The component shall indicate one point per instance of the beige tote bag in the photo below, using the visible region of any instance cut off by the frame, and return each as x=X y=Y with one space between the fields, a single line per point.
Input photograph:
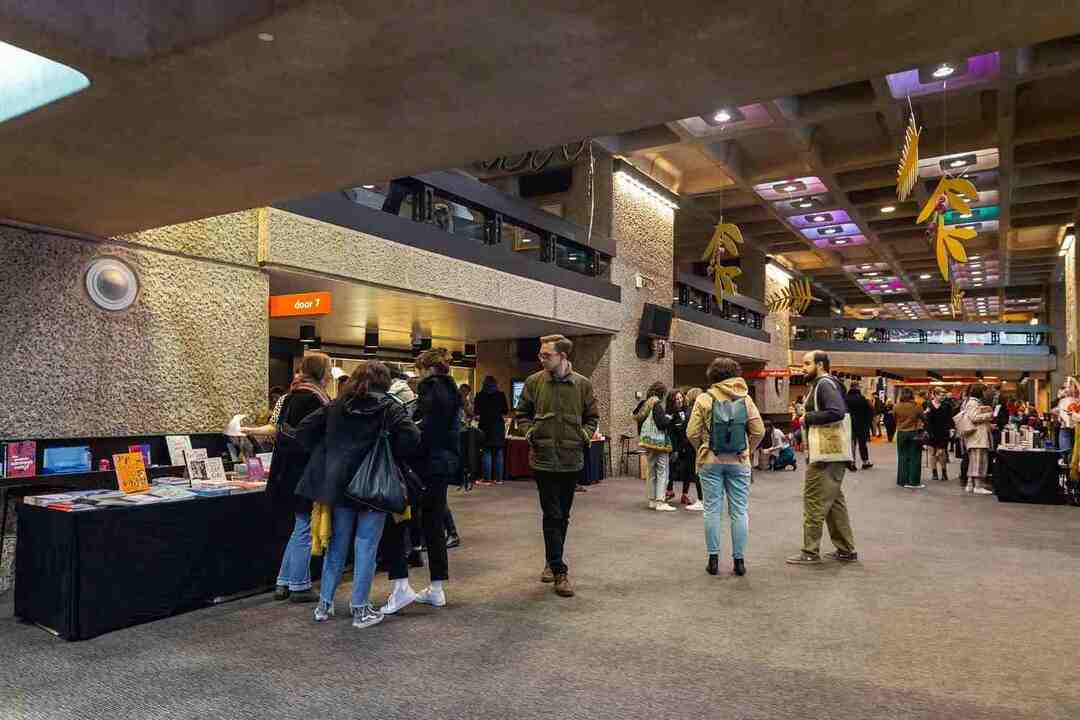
x=832 y=442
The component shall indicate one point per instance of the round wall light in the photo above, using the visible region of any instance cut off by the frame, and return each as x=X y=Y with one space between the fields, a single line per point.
x=112 y=285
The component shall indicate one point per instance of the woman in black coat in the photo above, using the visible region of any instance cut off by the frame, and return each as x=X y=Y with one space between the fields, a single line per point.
x=438 y=413
x=492 y=408
x=339 y=437
x=307 y=395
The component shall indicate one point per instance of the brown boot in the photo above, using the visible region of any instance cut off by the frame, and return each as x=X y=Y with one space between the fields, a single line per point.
x=547 y=576
x=562 y=586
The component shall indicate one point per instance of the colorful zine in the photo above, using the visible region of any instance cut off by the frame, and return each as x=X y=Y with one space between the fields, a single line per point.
x=131 y=472
x=255 y=469
x=143 y=448
x=178 y=445
x=21 y=459
x=266 y=459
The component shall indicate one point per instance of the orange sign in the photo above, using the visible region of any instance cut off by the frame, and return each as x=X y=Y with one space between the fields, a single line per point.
x=315 y=303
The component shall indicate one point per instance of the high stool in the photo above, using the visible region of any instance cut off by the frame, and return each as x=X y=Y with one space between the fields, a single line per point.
x=625 y=452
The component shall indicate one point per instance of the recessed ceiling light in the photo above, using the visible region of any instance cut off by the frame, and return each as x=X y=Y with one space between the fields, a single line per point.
x=867 y=266
x=978 y=284
x=790 y=187
x=266 y=37
x=819 y=218
x=840 y=242
x=943 y=71
x=368 y=187
x=835 y=230
x=974 y=257
x=871 y=274
x=888 y=209
x=958 y=162
x=925 y=276
x=722 y=116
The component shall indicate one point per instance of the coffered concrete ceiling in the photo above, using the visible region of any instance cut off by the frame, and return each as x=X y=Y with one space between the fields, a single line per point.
x=1013 y=112
x=190 y=113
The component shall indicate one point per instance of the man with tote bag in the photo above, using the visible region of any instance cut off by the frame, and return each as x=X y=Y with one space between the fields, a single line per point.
x=828 y=440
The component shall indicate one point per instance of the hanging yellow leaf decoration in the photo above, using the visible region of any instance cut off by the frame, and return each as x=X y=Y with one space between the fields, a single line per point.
x=957 y=193
x=795 y=298
x=724 y=280
x=908 y=170
x=950 y=243
x=957 y=301
x=726 y=238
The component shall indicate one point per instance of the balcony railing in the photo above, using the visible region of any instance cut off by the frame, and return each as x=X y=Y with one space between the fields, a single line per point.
x=694 y=301
x=919 y=336
x=454 y=215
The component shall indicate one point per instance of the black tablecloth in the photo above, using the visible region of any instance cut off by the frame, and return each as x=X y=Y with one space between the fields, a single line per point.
x=517 y=461
x=1028 y=477
x=82 y=574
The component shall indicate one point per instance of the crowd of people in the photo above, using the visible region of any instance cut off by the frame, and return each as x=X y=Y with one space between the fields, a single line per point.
x=710 y=439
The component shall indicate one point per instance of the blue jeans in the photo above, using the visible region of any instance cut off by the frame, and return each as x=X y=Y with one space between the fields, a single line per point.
x=295 y=572
x=1065 y=439
x=733 y=480
x=364 y=528
x=493 y=455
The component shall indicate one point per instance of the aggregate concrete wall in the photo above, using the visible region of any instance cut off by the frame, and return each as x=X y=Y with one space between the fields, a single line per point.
x=644 y=231
x=189 y=353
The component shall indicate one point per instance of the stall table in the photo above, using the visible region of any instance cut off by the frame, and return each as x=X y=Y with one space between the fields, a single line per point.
x=82 y=574
x=517 y=461
x=1028 y=476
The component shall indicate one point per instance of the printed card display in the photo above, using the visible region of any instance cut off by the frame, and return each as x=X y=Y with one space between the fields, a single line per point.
x=265 y=459
x=178 y=445
x=131 y=472
x=21 y=459
x=196 y=464
x=215 y=470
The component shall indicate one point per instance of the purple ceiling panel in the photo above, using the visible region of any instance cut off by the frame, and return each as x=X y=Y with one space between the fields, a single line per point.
x=980 y=69
x=792 y=188
x=840 y=242
x=825 y=217
x=831 y=231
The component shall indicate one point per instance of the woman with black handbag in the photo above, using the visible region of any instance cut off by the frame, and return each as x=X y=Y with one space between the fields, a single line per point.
x=341 y=437
x=438 y=413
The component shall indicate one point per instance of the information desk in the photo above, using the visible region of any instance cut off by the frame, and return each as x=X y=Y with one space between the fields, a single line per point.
x=1028 y=476
x=517 y=461
x=81 y=574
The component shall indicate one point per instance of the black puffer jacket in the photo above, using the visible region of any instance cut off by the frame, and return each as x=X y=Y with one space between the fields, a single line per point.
x=290 y=457
x=339 y=437
x=438 y=413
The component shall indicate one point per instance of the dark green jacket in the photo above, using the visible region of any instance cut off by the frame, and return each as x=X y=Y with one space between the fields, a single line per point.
x=559 y=418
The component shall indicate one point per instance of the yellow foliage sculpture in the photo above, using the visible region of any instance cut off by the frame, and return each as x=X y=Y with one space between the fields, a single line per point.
x=908 y=170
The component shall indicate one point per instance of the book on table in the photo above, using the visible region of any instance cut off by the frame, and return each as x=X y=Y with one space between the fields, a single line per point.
x=20 y=459
x=131 y=472
x=178 y=445
x=196 y=464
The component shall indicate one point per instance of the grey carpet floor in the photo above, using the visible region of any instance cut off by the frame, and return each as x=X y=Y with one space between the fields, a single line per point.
x=962 y=607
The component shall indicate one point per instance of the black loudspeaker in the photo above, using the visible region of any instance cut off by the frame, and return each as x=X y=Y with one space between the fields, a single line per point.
x=528 y=349
x=546 y=183
x=307 y=334
x=643 y=348
x=371 y=340
x=470 y=351
x=655 y=322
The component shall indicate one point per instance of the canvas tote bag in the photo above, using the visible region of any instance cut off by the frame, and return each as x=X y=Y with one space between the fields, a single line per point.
x=832 y=442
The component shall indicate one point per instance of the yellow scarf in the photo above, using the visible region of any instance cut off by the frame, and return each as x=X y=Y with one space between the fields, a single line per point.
x=320 y=528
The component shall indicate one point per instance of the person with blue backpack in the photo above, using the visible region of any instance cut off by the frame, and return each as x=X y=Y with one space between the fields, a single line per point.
x=725 y=427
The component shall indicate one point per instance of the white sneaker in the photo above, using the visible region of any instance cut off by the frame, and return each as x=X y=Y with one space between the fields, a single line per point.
x=664 y=507
x=365 y=616
x=696 y=506
x=968 y=488
x=323 y=612
x=652 y=504
x=427 y=596
x=982 y=491
x=398 y=601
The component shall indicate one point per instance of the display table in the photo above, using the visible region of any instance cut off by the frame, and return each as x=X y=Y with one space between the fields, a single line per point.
x=1028 y=476
x=517 y=461
x=81 y=574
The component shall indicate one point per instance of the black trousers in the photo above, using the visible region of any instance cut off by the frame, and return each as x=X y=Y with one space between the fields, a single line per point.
x=861 y=441
x=556 y=491
x=448 y=522
x=432 y=518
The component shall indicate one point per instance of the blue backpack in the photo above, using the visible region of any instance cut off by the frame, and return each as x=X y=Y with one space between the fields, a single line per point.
x=729 y=419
